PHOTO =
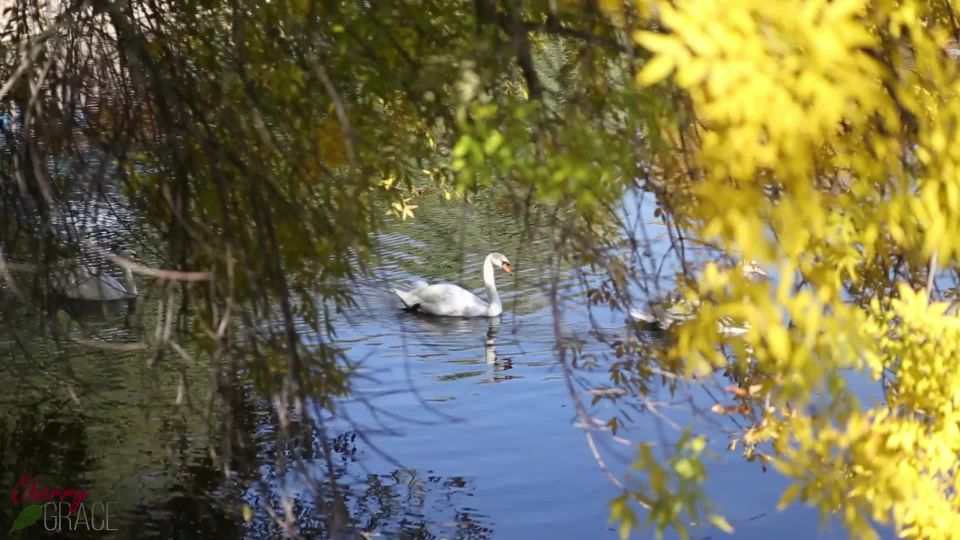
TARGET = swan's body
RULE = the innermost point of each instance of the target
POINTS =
(662, 315)
(86, 284)
(448, 300)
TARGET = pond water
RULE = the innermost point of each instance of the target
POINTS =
(454, 429)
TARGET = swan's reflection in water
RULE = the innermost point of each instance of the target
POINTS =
(490, 345)
(445, 336)
(499, 364)
(97, 325)
(113, 322)
(103, 310)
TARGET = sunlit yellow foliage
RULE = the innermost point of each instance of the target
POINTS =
(402, 209)
(826, 149)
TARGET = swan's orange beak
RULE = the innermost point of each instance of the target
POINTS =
(506, 267)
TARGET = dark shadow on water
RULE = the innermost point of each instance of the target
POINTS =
(116, 310)
(186, 496)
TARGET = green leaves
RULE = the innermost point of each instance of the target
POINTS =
(672, 494)
(28, 516)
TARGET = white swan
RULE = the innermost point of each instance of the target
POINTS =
(664, 314)
(450, 300)
(88, 284)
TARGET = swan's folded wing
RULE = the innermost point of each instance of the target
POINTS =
(408, 298)
(449, 299)
(446, 293)
(82, 284)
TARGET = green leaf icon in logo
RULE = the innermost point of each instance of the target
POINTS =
(28, 516)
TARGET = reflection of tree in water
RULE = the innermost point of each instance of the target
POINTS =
(193, 509)
(402, 504)
(178, 489)
(201, 503)
(239, 186)
(397, 505)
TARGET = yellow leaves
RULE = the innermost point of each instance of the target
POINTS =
(778, 343)
(712, 278)
(403, 190)
(789, 495)
(656, 70)
(388, 182)
(662, 44)
(620, 512)
(902, 440)
(721, 523)
(937, 212)
(815, 152)
(911, 304)
(808, 72)
(669, 52)
(920, 353)
(402, 209)
(838, 10)
(692, 73)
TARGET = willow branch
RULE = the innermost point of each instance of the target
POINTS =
(931, 275)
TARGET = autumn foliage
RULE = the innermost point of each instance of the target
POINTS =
(815, 136)
(827, 130)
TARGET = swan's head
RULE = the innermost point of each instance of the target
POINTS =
(752, 269)
(131, 255)
(500, 261)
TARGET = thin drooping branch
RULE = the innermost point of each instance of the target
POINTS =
(340, 106)
(931, 275)
(521, 44)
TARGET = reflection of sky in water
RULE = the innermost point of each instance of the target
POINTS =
(507, 428)
(95, 207)
(481, 449)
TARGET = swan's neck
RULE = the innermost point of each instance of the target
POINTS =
(131, 283)
(494, 308)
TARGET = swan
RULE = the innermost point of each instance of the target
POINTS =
(450, 300)
(92, 285)
(664, 314)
